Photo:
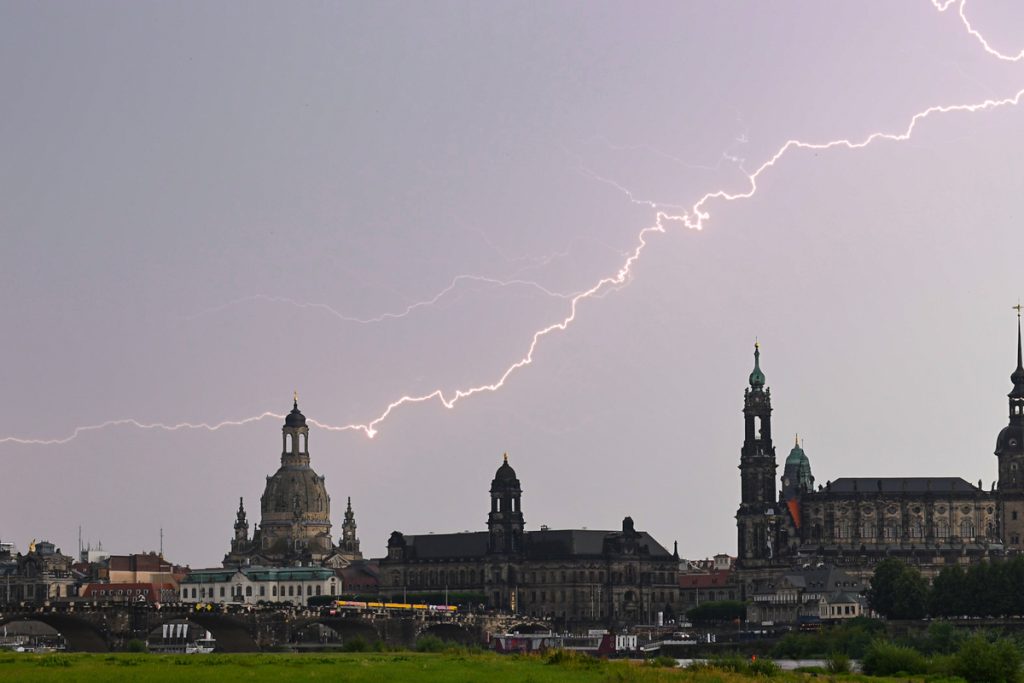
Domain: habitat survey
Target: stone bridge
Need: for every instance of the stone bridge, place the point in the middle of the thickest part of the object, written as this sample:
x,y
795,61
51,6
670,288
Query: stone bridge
x,y
106,628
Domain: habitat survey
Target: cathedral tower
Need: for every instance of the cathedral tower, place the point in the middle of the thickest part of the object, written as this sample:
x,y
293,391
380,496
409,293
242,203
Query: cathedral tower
x,y
349,541
1010,453
755,519
295,522
241,540
505,521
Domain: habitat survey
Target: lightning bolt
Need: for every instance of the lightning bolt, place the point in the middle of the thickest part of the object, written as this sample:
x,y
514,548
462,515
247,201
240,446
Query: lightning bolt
x,y
140,425
389,316
943,5
694,218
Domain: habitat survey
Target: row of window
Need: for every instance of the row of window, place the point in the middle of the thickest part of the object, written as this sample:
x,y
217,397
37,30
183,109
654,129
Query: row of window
x,y
120,591
236,591
465,577
894,531
581,596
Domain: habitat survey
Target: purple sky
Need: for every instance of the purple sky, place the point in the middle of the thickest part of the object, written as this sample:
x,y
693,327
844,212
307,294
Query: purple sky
x,y
206,206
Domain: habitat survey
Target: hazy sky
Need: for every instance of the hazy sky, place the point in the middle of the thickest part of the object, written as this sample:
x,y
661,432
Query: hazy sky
x,y
206,206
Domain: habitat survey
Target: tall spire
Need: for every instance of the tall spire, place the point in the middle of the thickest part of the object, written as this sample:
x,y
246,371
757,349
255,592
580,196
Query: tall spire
x,y
1018,374
757,377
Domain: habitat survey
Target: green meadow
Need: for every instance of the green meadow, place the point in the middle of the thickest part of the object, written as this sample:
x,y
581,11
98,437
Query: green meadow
x,y
446,667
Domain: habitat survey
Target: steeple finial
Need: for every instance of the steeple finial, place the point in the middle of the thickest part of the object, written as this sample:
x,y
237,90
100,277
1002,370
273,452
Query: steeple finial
x,y
295,399
1018,309
505,457
350,503
797,441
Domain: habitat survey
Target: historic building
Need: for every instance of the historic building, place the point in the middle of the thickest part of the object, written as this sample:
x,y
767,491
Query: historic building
x,y
252,585
572,575
807,594
857,521
41,575
295,521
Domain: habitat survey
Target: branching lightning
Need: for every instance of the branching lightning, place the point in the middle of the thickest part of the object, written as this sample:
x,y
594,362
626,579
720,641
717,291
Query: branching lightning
x,y
943,5
695,217
424,303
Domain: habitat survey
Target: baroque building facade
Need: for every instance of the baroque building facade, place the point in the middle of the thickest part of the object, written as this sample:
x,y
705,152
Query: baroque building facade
x,y
573,576
295,513
857,521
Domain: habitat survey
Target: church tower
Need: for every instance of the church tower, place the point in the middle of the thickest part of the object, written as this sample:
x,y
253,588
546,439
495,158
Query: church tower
x,y
241,541
505,521
349,542
756,517
1010,453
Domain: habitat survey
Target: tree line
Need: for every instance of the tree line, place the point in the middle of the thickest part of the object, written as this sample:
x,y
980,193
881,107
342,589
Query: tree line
x,y
987,589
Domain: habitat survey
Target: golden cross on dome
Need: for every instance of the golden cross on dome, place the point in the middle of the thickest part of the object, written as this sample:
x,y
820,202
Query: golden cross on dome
x,y
1017,308
505,456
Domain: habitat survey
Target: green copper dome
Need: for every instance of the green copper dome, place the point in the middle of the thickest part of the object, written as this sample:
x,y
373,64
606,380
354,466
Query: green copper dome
x,y
797,456
757,377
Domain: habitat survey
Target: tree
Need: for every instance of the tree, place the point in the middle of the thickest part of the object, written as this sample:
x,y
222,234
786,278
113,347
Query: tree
x,y
898,591
719,610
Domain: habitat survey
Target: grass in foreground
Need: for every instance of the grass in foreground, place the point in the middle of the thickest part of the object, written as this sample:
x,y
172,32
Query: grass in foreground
x,y
445,667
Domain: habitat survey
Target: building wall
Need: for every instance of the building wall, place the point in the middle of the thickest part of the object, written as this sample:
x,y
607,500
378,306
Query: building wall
x,y
594,589
241,589
877,521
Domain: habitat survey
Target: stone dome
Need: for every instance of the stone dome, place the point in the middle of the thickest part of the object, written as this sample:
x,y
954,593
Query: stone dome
x,y
293,490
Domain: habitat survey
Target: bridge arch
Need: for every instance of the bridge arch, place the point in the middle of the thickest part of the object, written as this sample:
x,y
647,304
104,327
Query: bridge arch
x,y
233,634
347,628
81,635
530,627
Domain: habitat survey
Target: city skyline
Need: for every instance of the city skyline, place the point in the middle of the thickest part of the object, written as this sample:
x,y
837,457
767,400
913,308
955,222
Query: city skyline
x,y
210,207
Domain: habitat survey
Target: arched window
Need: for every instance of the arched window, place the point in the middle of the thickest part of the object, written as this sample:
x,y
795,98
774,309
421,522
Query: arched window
x,y
248,591
867,530
967,529
942,529
287,443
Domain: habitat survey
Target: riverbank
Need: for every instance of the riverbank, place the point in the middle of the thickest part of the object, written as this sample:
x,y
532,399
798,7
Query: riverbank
x,y
358,668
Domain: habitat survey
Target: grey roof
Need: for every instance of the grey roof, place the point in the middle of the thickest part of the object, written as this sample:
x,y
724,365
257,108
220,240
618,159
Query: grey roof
x,y
553,544
217,575
438,546
901,485
826,579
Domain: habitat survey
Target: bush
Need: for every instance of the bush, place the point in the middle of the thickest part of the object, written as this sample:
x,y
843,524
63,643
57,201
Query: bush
x,y
356,644
738,664
430,644
762,667
136,645
572,659
663,661
838,663
980,661
718,610
887,659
